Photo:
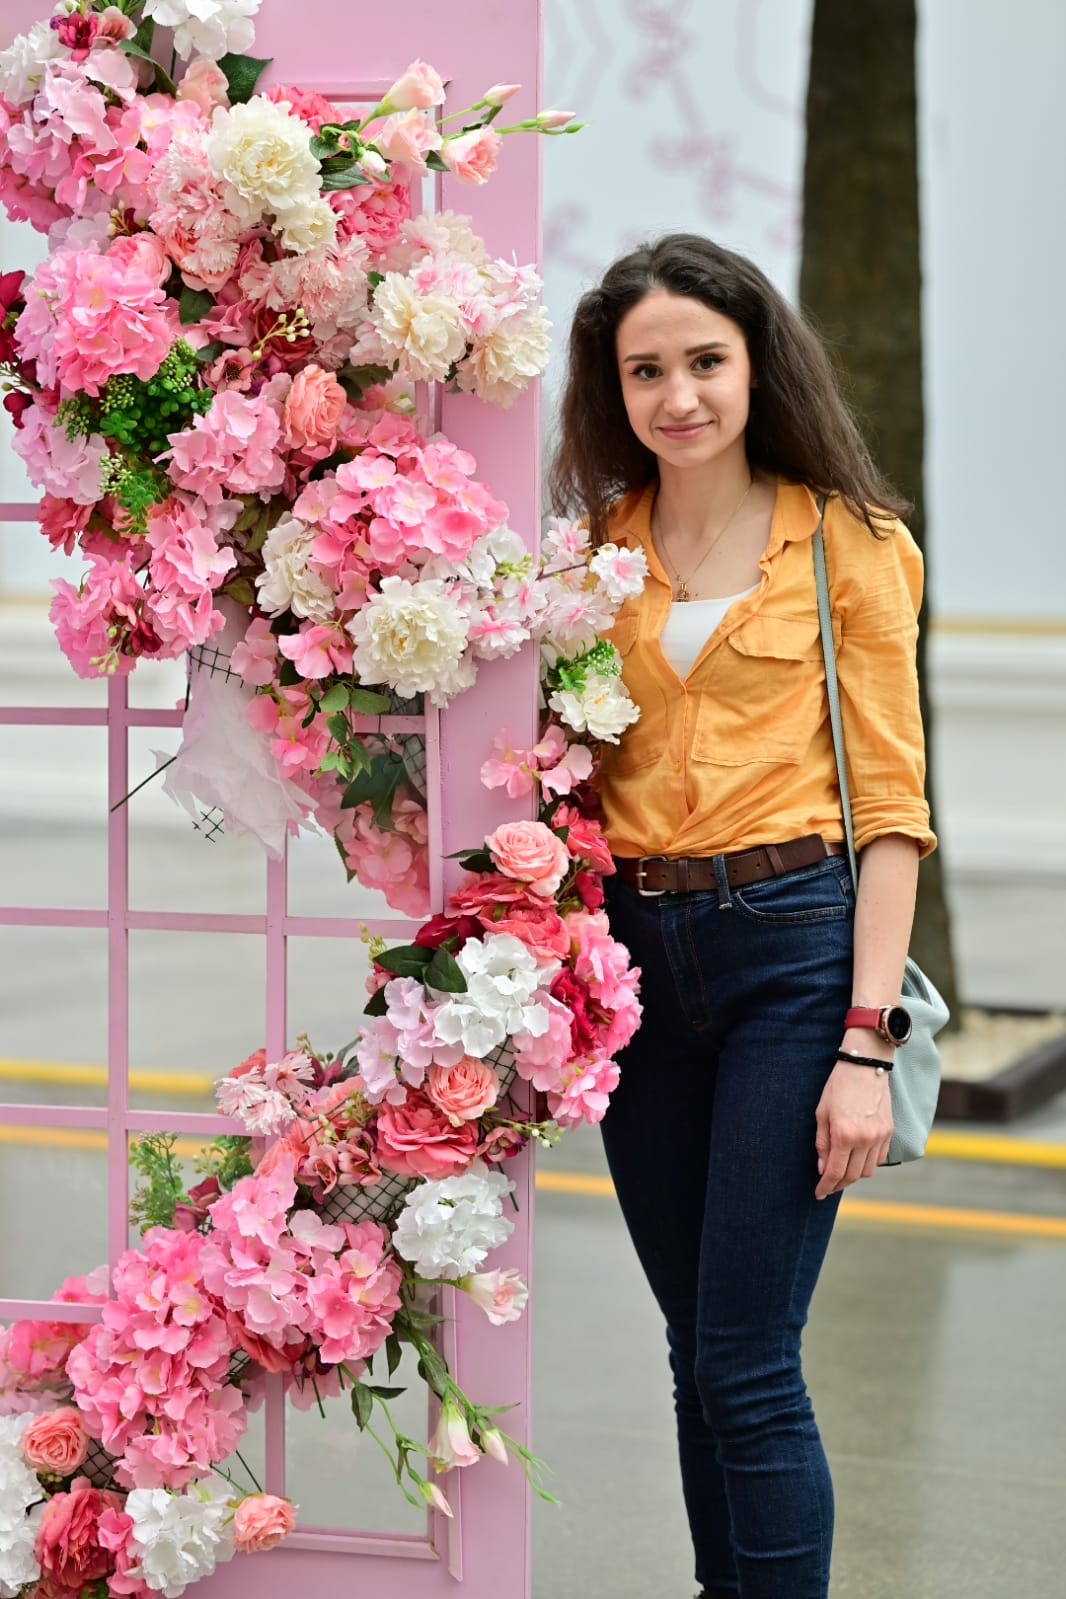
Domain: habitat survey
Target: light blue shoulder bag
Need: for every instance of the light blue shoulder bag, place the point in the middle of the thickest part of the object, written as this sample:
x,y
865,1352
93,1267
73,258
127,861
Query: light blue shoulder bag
x,y
915,1076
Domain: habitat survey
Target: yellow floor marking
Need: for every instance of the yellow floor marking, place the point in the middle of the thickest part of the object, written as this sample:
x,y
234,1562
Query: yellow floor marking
x,y
949,1218
71,1075
986,1148
996,1150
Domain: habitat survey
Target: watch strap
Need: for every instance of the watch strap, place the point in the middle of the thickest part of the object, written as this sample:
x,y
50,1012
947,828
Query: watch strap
x,y
868,1016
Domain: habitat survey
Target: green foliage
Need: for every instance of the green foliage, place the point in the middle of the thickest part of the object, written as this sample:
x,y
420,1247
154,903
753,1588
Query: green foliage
x,y
227,1158
242,73
156,1197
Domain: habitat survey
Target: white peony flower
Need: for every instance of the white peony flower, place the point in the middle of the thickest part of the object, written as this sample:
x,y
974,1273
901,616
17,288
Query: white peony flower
x,y
307,227
288,582
500,366
413,636
447,1228
180,1538
22,63
211,28
621,572
603,708
502,978
423,330
263,152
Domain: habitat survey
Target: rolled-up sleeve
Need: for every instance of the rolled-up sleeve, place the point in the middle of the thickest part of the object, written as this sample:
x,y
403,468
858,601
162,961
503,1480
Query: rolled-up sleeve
x,y
883,738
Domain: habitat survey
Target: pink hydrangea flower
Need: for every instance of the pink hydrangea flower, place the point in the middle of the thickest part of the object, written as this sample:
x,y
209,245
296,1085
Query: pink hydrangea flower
x,y
104,626
236,446
112,318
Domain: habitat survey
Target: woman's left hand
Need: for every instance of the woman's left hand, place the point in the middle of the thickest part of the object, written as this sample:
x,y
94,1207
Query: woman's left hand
x,y
854,1122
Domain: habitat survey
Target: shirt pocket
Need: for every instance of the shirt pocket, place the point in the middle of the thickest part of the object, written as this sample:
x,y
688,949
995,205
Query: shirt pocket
x,y
765,696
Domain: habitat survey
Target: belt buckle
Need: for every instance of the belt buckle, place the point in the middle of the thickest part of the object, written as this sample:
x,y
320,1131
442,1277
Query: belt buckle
x,y
642,869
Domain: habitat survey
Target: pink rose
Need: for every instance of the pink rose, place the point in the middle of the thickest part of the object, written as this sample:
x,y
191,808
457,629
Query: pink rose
x,y
261,1522
502,1295
407,137
417,1140
313,407
530,853
144,253
205,85
539,927
67,1545
463,1091
418,89
471,157
56,1442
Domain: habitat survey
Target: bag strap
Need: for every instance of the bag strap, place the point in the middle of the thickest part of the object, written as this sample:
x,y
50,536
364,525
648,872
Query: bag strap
x,y
825,622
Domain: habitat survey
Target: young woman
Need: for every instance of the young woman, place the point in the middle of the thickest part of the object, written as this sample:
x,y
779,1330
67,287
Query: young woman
x,y
701,421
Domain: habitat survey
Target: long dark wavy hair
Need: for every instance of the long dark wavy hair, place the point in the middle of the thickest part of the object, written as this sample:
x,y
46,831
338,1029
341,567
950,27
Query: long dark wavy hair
x,y
799,427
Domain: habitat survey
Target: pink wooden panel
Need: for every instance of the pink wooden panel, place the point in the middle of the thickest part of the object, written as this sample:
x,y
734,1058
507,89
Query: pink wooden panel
x,y
318,44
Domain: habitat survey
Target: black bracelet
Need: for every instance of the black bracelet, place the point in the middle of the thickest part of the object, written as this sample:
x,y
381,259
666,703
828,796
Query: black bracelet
x,y
865,1060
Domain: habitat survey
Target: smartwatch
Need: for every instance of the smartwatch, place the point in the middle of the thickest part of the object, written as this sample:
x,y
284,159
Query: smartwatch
x,y
891,1022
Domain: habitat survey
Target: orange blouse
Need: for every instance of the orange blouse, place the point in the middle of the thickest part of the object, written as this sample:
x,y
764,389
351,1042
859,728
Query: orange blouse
x,y
741,752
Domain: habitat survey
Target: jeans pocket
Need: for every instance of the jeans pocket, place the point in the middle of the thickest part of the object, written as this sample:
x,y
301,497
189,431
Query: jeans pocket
x,y
819,893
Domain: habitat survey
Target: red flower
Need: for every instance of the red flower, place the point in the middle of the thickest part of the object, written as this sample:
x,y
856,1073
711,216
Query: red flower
x,y
574,994
440,928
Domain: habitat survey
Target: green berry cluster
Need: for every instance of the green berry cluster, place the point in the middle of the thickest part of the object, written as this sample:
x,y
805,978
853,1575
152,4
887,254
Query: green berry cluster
x,y
135,486
139,416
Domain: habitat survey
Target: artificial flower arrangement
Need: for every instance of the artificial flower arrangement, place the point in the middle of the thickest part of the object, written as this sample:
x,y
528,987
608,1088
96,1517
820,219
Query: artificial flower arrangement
x,y
211,379
313,1245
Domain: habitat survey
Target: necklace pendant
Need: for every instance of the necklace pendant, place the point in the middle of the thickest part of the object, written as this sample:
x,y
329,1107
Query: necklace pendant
x,y
682,590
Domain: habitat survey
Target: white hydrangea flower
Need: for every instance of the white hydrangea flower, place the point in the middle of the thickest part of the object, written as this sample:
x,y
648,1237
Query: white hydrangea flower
x,y
502,978
413,636
447,1228
620,571
603,708
287,581
19,1490
263,152
22,63
180,1538
423,330
211,28
573,619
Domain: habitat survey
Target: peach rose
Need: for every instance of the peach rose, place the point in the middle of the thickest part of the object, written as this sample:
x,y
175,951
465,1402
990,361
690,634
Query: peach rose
x,y
313,407
144,252
418,89
261,1522
407,137
463,1091
205,85
530,853
471,157
56,1442
418,1140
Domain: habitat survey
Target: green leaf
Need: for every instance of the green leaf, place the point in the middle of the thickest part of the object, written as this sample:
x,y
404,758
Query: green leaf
x,y
474,860
358,758
332,761
210,352
393,1352
288,674
435,163
368,703
194,305
355,380
362,1404
131,47
242,75
376,1005
347,177
335,699
385,1393
338,727
373,279
326,143
433,1371
405,960
241,589
444,973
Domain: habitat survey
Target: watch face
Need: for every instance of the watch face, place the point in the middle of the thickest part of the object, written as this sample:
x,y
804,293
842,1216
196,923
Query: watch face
x,y
898,1024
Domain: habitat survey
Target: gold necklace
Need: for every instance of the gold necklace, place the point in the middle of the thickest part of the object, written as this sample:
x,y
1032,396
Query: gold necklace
x,y
683,582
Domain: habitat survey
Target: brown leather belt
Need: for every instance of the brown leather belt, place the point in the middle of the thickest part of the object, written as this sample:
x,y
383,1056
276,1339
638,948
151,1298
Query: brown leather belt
x,y
690,874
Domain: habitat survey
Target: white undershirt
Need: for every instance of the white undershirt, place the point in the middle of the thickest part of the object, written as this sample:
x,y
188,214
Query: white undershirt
x,y
689,626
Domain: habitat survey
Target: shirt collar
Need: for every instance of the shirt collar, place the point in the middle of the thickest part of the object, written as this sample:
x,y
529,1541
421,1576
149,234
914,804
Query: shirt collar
x,y
794,519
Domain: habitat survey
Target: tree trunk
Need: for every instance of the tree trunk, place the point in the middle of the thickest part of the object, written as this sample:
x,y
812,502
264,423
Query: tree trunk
x,y
860,280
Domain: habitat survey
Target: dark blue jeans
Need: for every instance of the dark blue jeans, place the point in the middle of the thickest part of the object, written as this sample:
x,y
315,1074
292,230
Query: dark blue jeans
x,y
710,1142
